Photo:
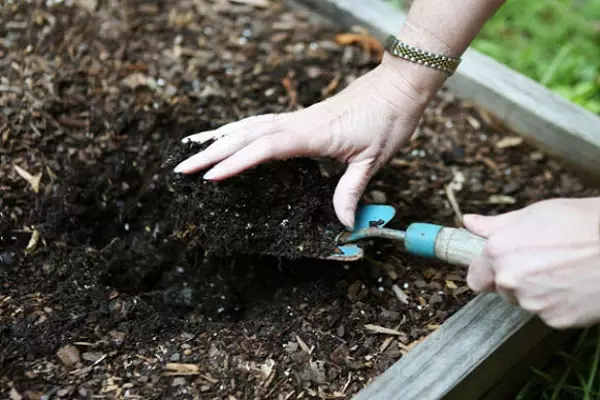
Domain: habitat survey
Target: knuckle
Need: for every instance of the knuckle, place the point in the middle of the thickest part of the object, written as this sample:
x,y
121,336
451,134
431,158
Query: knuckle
x,y
494,248
531,305
506,279
266,144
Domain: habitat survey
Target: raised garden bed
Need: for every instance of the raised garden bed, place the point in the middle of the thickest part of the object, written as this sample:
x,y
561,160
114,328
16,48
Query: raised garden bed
x,y
109,289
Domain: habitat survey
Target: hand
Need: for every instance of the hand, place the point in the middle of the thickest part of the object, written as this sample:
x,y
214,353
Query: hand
x,y
545,258
362,126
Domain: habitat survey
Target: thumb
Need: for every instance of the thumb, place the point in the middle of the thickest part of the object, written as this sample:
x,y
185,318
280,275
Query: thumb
x,y
486,225
349,190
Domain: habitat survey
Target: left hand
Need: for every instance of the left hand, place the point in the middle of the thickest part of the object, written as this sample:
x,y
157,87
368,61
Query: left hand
x,y
545,258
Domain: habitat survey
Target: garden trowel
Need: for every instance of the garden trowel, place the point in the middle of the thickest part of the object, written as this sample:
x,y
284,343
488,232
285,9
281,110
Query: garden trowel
x,y
456,246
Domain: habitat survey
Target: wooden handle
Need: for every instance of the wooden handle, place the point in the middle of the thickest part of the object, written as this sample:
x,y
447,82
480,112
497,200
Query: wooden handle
x,y
458,246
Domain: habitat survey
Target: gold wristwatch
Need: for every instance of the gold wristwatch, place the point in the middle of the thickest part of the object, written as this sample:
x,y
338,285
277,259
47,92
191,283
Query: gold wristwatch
x,y
440,62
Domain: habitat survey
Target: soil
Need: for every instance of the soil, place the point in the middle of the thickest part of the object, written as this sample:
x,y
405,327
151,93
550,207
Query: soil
x,y
280,208
117,281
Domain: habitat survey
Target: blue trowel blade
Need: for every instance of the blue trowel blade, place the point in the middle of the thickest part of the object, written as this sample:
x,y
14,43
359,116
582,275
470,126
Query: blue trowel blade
x,y
373,215
366,216
349,252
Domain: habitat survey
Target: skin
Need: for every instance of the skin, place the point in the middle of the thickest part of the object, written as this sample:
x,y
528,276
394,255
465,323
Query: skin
x,y
544,257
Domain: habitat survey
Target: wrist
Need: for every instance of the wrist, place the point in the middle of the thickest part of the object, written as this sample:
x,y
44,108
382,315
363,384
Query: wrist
x,y
420,82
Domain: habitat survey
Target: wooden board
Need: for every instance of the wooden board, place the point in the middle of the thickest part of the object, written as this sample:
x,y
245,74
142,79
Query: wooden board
x,y
487,342
465,349
555,125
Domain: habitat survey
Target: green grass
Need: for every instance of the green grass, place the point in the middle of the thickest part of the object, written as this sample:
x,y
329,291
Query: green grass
x,y
554,42
572,373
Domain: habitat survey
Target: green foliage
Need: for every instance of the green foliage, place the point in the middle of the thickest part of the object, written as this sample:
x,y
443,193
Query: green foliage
x,y
571,374
555,42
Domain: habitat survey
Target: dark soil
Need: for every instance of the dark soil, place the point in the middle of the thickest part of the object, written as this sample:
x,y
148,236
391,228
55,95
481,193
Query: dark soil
x,y
116,281
280,208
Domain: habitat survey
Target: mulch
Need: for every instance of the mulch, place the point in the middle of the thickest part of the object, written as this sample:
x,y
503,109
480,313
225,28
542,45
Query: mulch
x,y
121,280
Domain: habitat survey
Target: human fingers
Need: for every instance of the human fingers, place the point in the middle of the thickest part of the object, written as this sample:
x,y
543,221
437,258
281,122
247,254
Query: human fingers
x,y
486,225
349,190
226,146
265,148
480,276
249,123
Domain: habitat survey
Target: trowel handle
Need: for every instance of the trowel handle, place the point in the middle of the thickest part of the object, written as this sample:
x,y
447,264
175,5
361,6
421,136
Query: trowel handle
x,y
455,246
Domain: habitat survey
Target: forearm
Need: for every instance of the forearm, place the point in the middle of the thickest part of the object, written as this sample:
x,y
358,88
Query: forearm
x,y
444,27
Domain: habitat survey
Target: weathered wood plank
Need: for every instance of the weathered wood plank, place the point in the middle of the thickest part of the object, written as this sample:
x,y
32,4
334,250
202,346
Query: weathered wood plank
x,y
462,347
559,127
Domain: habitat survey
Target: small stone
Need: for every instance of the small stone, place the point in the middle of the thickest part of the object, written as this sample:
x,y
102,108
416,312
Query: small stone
x,y
6,259
187,352
314,371
48,268
175,357
69,355
389,315
511,188
63,392
118,337
179,381
341,331
435,299
357,291
429,273
291,347
378,196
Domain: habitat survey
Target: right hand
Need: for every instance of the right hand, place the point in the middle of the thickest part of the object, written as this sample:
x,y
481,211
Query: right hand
x,y
362,126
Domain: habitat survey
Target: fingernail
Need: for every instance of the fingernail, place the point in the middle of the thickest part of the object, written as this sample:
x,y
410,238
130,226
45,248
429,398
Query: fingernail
x,y
209,175
180,167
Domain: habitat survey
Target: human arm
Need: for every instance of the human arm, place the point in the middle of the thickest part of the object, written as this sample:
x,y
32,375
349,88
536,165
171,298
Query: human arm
x,y
365,123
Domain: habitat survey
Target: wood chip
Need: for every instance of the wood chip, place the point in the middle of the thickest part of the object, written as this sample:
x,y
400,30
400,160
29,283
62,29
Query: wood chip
x,y
501,199
368,42
33,242
403,297
181,369
303,345
89,5
291,91
33,180
510,141
327,91
14,395
451,285
383,330
386,343
254,3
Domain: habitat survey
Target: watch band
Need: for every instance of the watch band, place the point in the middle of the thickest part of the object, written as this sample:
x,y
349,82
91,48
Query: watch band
x,y
440,62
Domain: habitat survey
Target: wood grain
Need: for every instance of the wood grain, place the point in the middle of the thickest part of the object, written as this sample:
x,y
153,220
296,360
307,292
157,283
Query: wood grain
x,y
458,246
